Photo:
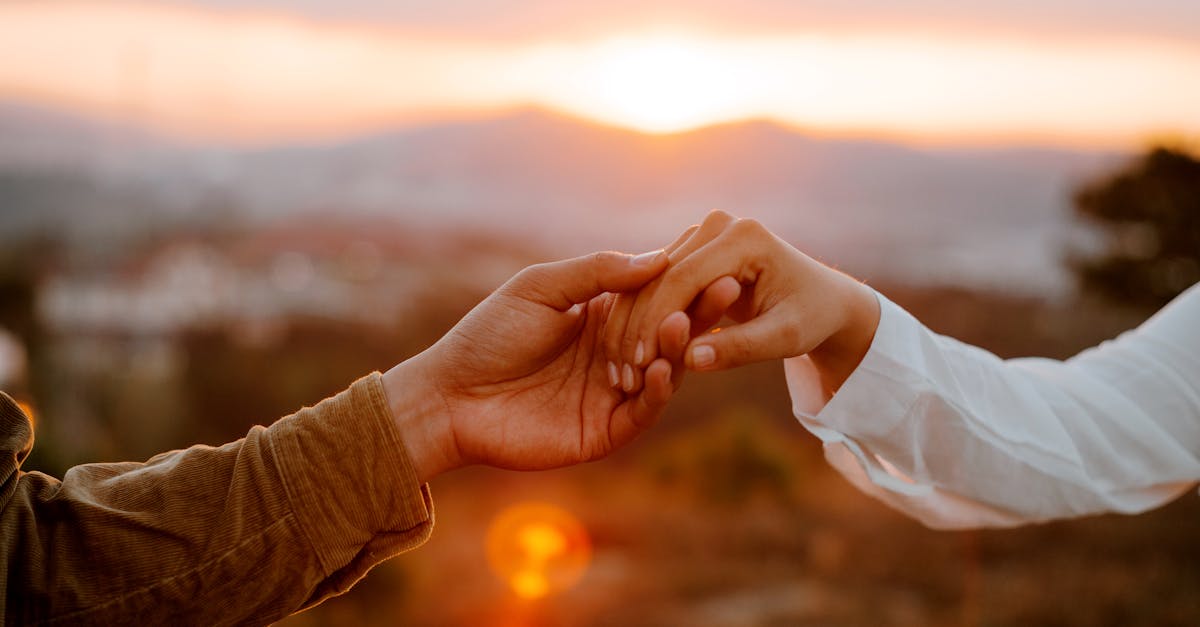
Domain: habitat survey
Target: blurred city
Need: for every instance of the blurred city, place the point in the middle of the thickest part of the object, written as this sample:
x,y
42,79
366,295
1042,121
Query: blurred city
x,y
213,213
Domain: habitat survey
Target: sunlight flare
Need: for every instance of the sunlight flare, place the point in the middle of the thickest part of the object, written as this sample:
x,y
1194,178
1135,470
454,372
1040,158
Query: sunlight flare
x,y
658,83
537,549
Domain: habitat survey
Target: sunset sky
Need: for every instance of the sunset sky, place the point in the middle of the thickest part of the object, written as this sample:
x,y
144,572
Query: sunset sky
x,y
1089,73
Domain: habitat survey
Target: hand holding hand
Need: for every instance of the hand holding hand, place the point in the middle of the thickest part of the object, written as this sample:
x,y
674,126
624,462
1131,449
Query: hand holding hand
x,y
789,304
520,382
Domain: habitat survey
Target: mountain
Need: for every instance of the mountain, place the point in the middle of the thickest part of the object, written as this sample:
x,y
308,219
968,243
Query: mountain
x,y
988,217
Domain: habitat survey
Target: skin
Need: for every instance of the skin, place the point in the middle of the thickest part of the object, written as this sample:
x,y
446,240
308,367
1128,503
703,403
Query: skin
x,y
703,313
788,305
521,382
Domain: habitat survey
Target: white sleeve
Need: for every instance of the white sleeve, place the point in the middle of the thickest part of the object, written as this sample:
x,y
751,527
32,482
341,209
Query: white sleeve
x,y
957,437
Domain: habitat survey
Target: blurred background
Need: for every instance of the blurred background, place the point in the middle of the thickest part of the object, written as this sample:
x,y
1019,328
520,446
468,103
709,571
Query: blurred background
x,y
213,212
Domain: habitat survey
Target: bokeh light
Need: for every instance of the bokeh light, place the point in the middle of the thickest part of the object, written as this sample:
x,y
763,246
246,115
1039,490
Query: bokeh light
x,y
537,549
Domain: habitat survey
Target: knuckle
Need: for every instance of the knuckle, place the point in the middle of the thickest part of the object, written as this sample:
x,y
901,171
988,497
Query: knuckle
x,y
748,227
740,345
537,270
717,222
718,217
600,259
530,275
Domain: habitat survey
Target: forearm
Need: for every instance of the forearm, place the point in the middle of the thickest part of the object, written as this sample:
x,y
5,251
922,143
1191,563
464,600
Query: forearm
x,y
247,532
934,426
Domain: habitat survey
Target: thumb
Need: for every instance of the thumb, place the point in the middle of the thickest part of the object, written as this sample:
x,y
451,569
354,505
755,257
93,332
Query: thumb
x,y
738,345
563,284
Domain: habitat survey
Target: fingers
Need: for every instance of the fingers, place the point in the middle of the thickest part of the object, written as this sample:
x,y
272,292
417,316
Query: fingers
x,y
738,345
741,252
621,372
714,301
640,412
673,336
614,331
640,349
563,284
658,388
682,239
678,328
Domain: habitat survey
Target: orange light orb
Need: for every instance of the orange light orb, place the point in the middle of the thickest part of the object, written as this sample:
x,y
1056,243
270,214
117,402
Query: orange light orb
x,y
538,549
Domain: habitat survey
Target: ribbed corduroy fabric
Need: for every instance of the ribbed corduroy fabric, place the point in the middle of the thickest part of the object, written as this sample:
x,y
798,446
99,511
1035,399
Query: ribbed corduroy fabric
x,y
244,533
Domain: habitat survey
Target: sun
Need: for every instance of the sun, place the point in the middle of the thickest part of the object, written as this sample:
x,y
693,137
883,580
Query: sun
x,y
658,83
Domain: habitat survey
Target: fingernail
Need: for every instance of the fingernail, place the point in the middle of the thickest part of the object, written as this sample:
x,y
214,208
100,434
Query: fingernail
x,y
628,379
614,377
703,356
639,353
646,259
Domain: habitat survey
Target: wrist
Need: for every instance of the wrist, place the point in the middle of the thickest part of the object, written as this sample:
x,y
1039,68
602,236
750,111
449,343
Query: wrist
x,y
839,355
421,417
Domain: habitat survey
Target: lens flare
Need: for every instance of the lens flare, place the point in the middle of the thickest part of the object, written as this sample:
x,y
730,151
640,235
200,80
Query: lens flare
x,y
538,549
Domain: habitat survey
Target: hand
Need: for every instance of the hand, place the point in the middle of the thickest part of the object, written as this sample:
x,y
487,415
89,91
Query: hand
x,y
520,382
681,327
789,304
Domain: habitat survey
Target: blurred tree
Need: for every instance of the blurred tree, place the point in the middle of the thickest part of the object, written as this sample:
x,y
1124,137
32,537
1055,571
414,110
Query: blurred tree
x,y
1151,212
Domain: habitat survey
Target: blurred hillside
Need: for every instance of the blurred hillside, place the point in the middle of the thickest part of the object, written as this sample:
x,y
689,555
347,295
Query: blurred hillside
x,y
997,218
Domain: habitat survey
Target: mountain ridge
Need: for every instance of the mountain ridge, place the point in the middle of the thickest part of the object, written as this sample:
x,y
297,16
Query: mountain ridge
x,y
998,217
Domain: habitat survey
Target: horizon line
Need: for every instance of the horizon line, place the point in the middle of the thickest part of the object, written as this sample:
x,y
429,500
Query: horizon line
x,y
1032,140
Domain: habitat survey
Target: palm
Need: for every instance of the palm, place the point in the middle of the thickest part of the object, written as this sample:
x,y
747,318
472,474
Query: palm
x,y
528,388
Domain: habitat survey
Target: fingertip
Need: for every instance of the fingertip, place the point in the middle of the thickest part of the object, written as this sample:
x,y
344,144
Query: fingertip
x,y
702,357
679,324
673,335
658,382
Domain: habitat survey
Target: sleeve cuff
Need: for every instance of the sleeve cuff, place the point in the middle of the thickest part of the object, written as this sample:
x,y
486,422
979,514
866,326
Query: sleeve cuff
x,y
883,386
874,398
350,481
873,405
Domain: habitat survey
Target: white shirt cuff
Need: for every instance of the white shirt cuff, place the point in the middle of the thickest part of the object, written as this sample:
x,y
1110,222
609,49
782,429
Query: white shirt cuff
x,y
872,403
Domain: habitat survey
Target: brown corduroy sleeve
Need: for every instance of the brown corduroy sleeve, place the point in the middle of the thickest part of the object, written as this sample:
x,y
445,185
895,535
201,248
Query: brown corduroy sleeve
x,y
244,533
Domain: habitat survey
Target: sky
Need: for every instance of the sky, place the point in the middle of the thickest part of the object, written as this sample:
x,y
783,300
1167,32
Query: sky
x,y
1097,73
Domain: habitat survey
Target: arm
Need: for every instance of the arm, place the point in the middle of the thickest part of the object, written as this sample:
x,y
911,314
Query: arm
x,y
957,437
247,532
944,431
299,511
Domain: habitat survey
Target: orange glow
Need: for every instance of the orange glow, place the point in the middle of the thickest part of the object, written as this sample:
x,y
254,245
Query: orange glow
x,y
254,76
659,83
537,549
